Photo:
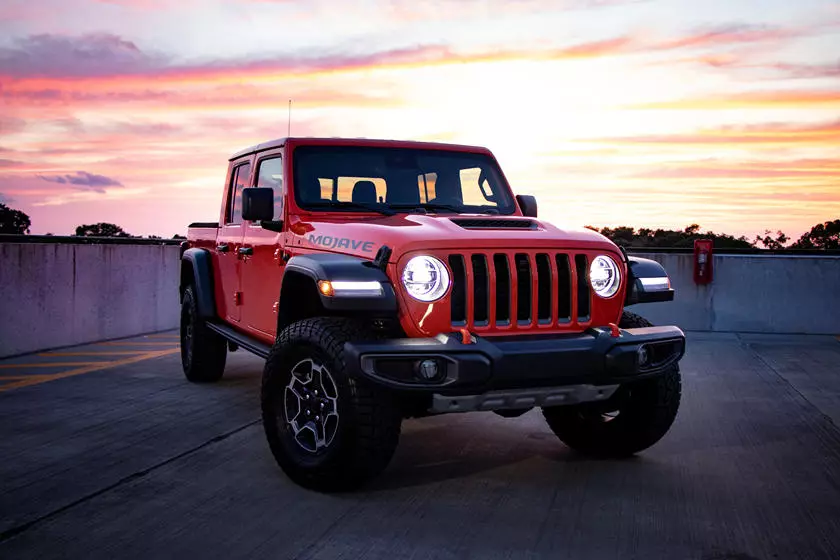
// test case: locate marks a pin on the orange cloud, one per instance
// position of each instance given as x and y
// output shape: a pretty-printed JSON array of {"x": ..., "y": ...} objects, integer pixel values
[
  {"x": 717, "y": 169},
  {"x": 774, "y": 133},
  {"x": 750, "y": 99}
]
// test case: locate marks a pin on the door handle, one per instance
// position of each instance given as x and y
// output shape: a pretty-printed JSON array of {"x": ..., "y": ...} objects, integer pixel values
[
  {"x": 223, "y": 248},
  {"x": 246, "y": 251}
]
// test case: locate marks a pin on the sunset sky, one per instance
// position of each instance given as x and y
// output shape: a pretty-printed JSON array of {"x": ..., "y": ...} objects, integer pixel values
[{"x": 648, "y": 113}]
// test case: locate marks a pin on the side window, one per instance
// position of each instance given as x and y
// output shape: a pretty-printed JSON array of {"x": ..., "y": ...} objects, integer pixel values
[
  {"x": 270, "y": 175},
  {"x": 240, "y": 180},
  {"x": 475, "y": 188}
]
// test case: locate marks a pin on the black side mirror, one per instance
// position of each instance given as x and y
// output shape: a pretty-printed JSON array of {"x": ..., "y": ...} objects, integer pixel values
[
  {"x": 528, "y": 205},
  {"x": 257, "y": 204}
]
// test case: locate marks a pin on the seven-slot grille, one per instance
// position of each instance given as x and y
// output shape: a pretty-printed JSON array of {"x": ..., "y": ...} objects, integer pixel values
[{"x": 519, "y": 289}]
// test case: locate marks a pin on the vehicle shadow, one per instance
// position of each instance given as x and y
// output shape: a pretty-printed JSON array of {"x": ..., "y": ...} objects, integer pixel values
[{"x": 468, "y": 445}]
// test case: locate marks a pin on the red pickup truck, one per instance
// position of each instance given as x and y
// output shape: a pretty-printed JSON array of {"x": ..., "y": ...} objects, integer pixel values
[{"x": 383, "y": 280}]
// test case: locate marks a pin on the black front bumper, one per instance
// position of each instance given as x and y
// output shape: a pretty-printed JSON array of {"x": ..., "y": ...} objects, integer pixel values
[{"x": 595, "y": 357}]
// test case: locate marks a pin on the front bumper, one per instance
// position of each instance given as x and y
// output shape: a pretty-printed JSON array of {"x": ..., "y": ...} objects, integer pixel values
[{"x": 536, "y": 366}]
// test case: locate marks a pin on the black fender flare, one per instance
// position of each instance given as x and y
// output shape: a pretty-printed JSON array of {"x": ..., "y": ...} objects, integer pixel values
[
  {"x": 343, "y": 268},
  {"x": 640, "y": 270},
  {"x": 198, "y": 261}
]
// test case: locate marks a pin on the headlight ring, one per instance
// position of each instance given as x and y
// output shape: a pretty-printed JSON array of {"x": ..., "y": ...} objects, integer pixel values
[
  {"x": 604, "y": 276},
  {"x": 425, "y": 278}
]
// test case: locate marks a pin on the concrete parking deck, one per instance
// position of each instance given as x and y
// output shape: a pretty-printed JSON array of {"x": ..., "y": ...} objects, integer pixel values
[{"x": 109, "y": 453}]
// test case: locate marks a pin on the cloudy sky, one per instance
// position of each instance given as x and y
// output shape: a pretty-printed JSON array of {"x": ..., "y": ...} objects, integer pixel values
[{"x": 649, "y": 113}]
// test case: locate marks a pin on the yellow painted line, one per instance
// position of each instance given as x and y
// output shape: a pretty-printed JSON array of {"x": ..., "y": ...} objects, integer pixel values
[
  {"x": 94, "y": 353},
  {"x": 160, "y": 343},
  {"x": 18, "y": 377},
  {"x": 51, "y": 364},
  {"x": 87, "y": 369}
]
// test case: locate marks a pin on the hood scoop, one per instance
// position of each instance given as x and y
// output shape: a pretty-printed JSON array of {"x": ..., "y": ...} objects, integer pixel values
[{"x": 491, "y": 223}]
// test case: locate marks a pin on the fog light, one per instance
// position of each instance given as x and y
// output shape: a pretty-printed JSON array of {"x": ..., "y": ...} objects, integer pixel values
[
  {"x": 643, "y": 355},
  {"x": 427, "y": 370}
]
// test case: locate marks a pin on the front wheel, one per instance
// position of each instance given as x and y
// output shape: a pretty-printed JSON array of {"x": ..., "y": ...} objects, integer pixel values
[
  {"x": 327, "y": 431},
  {"x": 636, "y": 417}
]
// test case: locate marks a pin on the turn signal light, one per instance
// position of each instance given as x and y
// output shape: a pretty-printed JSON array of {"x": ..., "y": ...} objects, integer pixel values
[{"x": 326, "y": 288}]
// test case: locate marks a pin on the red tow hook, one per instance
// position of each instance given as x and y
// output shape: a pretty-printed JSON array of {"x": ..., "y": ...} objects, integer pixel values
[
  {"x": 615, "y": 332},
  {"x": 466, "y": 337}
]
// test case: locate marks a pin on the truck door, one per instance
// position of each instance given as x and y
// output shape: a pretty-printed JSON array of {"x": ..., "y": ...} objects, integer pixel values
[
  {"x": 229, "y": 243},
  {"x": 262, "y": 269}
]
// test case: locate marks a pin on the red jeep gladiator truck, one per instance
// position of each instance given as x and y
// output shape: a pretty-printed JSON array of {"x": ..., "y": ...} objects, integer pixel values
[{"x": 382, "y": 280}]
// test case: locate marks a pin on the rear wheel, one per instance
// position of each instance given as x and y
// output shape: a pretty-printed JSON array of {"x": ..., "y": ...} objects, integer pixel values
[
  {"x": 203, "y": 352},
  {"x": 327, "y": 432},
  {"x": 636, "y": 417}
]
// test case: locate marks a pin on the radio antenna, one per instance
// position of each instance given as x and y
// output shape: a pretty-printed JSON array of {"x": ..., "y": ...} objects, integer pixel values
[{"x": 289, "y": 131}]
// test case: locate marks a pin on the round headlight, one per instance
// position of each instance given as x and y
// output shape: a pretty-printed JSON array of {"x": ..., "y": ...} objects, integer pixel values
[
  {"x": 604, "y": 276},
  {"x": 425, "y": 278}
]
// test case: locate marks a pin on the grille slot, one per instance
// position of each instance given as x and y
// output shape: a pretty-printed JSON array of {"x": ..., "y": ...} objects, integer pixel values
[
  {"x": 519, "y": 290},
  {"x": 481, "y": 289},
  {"x": 459, "y": 290},
  {"x": 523, "y": 288},
  {"x": 543, "y": 289},
  {"x": 582, "y": 266},
  {"x": 564, "y": 288},
  {"x": 500, "y": 264}
]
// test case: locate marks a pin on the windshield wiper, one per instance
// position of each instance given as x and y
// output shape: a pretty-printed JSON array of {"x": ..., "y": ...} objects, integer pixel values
[
  {"x": 384, "y": 210},
  {"x": 450, "y": 207}
]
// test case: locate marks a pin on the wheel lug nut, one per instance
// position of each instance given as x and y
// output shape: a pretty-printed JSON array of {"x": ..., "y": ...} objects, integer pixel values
[
  {"x": 322, "y": 405},
  {"x": 317, "y": 418}
]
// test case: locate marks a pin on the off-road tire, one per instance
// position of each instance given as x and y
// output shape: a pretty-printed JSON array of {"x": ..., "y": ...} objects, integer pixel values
[
  {"x": 369, "y": 419},
  {"x": 646, "y": 411},
  {"x": 203, "y": 352}
]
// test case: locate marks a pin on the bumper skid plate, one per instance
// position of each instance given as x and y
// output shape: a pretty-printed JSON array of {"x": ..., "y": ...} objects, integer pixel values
[
  {"x": 522, "y": 398},
  {"x": 566, "y": 368}
]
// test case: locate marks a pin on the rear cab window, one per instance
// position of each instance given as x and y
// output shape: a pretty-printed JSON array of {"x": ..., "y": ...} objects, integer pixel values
[{"x": 239, "y": 180}]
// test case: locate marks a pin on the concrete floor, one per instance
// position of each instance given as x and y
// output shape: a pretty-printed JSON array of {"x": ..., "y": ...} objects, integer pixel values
[{"x": 125, "y": 459}]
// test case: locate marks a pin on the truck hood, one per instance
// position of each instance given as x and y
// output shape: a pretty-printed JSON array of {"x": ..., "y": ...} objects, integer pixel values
[{"x": 364, "y": 235}]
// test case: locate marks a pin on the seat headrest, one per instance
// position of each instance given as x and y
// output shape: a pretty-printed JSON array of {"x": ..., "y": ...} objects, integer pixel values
[
  {"x": 364, "y": 192},
  {"x": 309, "y": 189}
]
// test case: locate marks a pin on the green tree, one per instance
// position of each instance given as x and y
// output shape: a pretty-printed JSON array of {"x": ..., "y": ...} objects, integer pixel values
[
  {"x": 822, "y": 236},
  {"x": 770, "y": 242},
  {"x": 13, "y": 221},
  {"x": 101, "y": 229},
  {"x": 645, "y": 237}
]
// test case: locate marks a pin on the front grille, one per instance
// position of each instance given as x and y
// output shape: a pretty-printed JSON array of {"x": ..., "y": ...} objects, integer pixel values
[{"x": 525, "y": 289}]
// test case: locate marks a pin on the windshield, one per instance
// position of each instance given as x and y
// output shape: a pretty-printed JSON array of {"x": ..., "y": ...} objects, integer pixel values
[{"x": 364, "y": 179}]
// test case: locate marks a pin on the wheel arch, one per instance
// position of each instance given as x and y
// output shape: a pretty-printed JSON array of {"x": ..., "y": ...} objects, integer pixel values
[
  {"x": 642, "y": 277},
  {"x": 196, "y": 270},
  {"x": 300, "y": 297}
]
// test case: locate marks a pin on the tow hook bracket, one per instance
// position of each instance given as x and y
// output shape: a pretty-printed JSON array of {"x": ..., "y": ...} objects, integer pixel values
[
  {"x": 466, "y": 337},
  {"x": 615, "y": 332}
]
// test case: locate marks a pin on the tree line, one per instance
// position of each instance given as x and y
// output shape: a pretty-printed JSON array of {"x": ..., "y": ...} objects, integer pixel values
[
  {"x": 825, "y": 235},
  {"x": 17, "y": 222}
]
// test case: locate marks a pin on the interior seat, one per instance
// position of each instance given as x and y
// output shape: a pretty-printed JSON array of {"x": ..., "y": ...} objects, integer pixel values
[{"x": 364, "y": 192}]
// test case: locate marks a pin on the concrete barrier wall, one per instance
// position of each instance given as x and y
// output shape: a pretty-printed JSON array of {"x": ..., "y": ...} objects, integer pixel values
[
  {"x": 54, "y": 295},
  {"x": 752, "y": 293}
]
